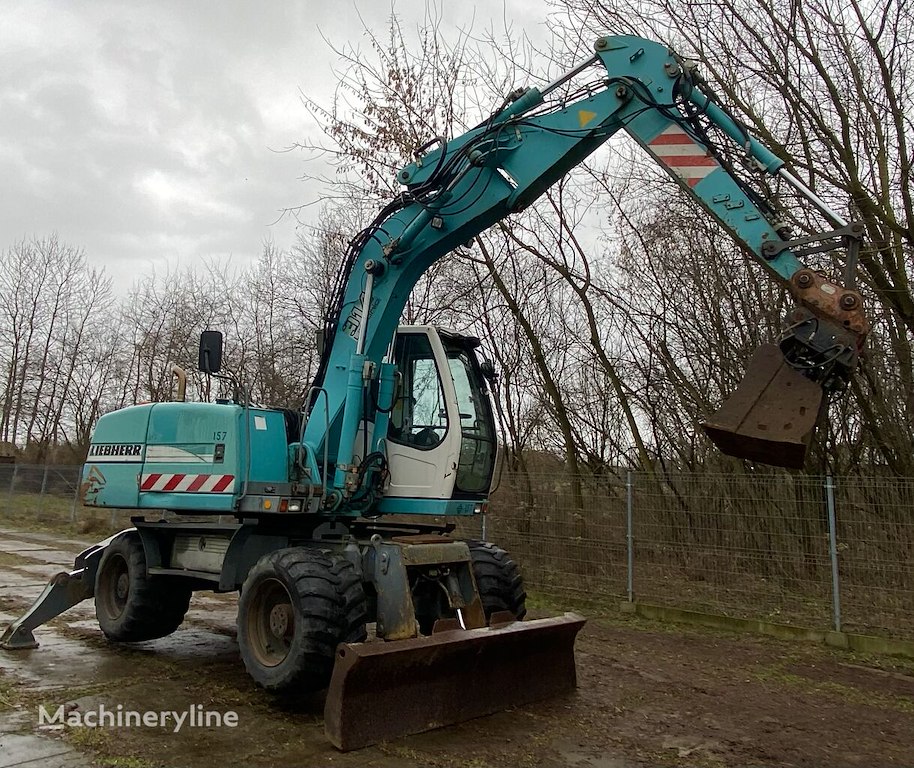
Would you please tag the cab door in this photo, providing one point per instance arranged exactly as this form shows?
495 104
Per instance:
423 442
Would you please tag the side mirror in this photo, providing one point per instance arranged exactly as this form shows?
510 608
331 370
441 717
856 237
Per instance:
210 352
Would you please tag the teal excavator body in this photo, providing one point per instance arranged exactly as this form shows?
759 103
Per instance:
343 509
188 457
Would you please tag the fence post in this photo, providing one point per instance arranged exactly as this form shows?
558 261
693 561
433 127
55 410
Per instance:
629 536
75 498
9 501
833 550
44 485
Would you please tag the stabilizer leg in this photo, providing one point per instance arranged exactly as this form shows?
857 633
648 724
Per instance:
65 590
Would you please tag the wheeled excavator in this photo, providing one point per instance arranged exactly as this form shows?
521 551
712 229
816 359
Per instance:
343 513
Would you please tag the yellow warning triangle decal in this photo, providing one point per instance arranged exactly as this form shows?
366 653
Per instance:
585 116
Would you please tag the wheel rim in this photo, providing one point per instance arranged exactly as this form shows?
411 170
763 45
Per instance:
270 623
114 586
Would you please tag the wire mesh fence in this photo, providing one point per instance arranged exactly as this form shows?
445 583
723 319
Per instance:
569 534
875 543
47 497
800 549
736 545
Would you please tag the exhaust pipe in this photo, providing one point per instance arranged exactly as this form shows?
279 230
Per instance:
181 375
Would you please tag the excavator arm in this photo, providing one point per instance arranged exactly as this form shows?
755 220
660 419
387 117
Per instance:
456 189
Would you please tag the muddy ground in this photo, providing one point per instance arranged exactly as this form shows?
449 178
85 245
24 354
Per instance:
649 694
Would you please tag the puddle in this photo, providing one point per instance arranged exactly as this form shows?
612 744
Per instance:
31 751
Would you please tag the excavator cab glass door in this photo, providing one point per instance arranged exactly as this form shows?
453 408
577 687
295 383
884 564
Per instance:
419 418
441 420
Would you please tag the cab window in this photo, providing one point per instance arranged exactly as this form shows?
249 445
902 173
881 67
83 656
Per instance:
419 417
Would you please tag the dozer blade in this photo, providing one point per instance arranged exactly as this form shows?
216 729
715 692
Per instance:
772 415
382 690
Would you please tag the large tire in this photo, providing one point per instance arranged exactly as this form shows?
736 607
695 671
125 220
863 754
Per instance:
130 605
498 579
296 606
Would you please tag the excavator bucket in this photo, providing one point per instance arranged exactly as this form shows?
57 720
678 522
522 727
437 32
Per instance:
772 415
383 690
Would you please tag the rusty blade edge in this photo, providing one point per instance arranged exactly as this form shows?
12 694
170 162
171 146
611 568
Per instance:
381 648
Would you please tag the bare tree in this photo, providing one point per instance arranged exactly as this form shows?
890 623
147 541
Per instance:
50 308
826 84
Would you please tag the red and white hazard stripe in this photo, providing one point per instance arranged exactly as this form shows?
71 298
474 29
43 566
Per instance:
181 483
682 155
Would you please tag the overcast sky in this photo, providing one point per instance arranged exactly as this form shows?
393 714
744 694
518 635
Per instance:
149 133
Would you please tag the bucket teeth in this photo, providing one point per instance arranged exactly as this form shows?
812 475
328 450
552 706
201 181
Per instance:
383 690
771 417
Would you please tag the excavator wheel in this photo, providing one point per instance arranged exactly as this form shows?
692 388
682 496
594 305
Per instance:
498 579
296 606
131 605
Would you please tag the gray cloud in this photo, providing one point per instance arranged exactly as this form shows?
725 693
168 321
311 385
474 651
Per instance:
147 132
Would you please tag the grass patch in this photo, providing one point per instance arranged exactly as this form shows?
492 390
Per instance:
895 664
606 612
94 739
9 695
125 762
57 514
778 674
602 605
13 559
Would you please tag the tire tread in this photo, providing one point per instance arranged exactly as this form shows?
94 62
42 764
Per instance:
498 579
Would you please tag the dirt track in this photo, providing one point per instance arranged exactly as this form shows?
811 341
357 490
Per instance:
649 694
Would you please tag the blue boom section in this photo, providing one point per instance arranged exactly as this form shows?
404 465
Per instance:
467 184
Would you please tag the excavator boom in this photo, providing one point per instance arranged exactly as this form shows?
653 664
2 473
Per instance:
461 186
